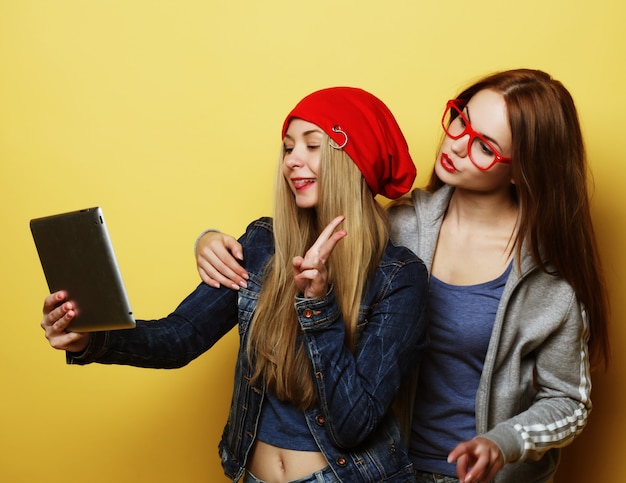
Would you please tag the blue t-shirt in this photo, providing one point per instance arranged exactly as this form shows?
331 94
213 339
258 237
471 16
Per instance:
281 424
461 320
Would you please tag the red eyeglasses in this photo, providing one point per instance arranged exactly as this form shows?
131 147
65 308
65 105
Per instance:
482 153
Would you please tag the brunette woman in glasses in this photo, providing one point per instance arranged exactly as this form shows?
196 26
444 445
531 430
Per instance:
518 309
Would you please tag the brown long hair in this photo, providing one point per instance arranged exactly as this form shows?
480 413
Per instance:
280 359
550 171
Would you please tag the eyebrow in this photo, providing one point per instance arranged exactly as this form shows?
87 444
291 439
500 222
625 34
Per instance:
488 138
306 133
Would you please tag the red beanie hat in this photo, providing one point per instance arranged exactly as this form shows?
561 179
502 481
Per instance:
365 128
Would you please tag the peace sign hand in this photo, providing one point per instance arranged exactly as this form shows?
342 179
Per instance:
310 273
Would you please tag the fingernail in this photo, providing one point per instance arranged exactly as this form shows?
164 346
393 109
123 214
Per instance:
243 284
234 286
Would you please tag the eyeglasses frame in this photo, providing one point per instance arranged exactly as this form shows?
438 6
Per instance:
458 105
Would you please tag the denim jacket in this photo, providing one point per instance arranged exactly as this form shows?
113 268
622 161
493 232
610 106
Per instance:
352 424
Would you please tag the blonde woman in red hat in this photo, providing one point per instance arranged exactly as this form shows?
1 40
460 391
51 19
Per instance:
331 321
518 307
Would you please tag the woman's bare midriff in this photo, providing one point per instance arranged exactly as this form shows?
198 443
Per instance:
279 465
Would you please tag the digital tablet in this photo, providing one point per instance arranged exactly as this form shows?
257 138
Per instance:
77 256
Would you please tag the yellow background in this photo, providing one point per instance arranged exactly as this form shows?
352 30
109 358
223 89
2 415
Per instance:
167 114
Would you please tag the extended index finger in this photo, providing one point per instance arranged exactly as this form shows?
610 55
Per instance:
327 232
327 240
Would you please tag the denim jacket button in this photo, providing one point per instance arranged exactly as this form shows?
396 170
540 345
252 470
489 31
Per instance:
341 461
320 420
308 313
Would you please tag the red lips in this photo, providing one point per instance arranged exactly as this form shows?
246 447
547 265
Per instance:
447 163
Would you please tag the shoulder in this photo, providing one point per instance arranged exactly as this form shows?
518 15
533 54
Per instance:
541 301
420 207
398 254
547 282
258 242
415 221
400 278
398 259
404 219
258 230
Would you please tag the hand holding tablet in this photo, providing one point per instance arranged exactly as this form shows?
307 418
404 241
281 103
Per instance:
77 256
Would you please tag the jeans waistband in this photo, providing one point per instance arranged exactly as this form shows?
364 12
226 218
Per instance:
428 477
325 475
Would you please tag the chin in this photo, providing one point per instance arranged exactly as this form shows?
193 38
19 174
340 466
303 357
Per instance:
306 206
442 173
306 201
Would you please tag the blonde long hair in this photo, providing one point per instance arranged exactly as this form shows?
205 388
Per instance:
277 353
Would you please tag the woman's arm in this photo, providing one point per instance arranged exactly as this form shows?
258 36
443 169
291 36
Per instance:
173 341
561 404
170 342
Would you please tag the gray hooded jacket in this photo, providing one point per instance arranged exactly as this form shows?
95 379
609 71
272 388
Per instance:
534 393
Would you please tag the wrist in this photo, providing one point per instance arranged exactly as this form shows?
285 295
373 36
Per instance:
208 230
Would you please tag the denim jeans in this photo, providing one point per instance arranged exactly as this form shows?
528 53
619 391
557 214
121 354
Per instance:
425 477
324 475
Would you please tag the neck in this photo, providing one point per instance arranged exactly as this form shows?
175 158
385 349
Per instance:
476 238
471 208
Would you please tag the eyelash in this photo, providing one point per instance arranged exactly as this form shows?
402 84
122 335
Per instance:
485 147
309 147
